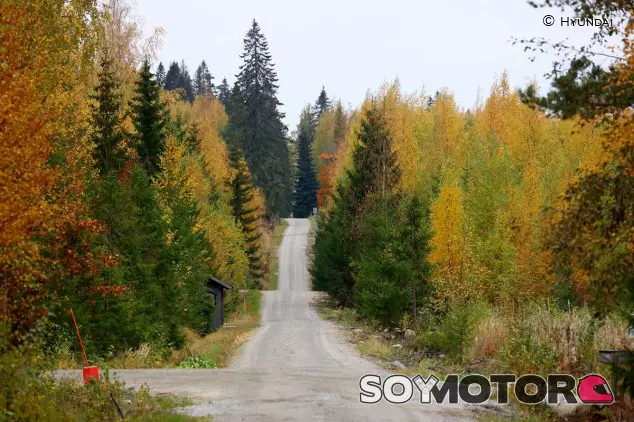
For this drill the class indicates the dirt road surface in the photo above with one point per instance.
(296, 366)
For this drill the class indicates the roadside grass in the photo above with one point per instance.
(375, 347)
(211, 351)
(72, 401)
(274, 262)
(28, 391)
(541, 340)
(215, 350)
(96, 402)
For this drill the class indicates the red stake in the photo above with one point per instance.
(79, 336)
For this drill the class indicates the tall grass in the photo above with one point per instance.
(538, 339)
(543, 338)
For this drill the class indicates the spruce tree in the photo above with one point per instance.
(236, 110)
(106, 120)
(322, 104)
(149, 117)
(185, 83)
(160, 75)
(375, 167)
(258, 129)
(374, 173)
(415, 237)
(242, 194)
(172, 77)
(306, 185)
(224, 94)
(203, 81)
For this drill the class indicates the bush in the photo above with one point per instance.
(457, 332)
(524, 353)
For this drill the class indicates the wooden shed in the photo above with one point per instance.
(217, 288)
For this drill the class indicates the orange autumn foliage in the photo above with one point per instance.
(326, 179)
(44, 232)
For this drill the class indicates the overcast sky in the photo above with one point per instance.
(352, 46)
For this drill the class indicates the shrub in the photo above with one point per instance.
(523, 353)
(458, 329)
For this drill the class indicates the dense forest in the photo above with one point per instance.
(126, 186)
(127, 183)
(500, 234)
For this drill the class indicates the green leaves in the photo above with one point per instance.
(197, 362)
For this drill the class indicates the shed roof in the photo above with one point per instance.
(220, 283)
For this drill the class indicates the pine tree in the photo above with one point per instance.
(108, 133)
(224, 94)
(203, 84)
(391, 270)
(322, 104)
(172, 77)
(258, 129)
(375, 167)
(184, 82)
(149, 117)
(306, 186)
(235, 108)
(188, 250)
(415, 237)
(242, 196)
(380, 274)
(160, 75)
(374, 174)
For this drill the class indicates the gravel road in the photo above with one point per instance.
(296, 366)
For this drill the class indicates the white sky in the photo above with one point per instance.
(352, 46)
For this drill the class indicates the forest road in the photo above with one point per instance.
(296, 366)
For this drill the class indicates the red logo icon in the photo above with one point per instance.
(594, 389)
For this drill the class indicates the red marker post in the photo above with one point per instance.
(89, 371)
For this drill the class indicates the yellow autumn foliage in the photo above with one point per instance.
(489, 175)
(202, 177)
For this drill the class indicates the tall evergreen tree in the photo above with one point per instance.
(258, 129)
(242, 196)
(414, 240)
(306, 185)
(374, 172)
(224, 94)
(108, 133)
(160, 75)
(185, 83)
(172, 77)
(322, 104)
(149, 117)
(203, 81)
